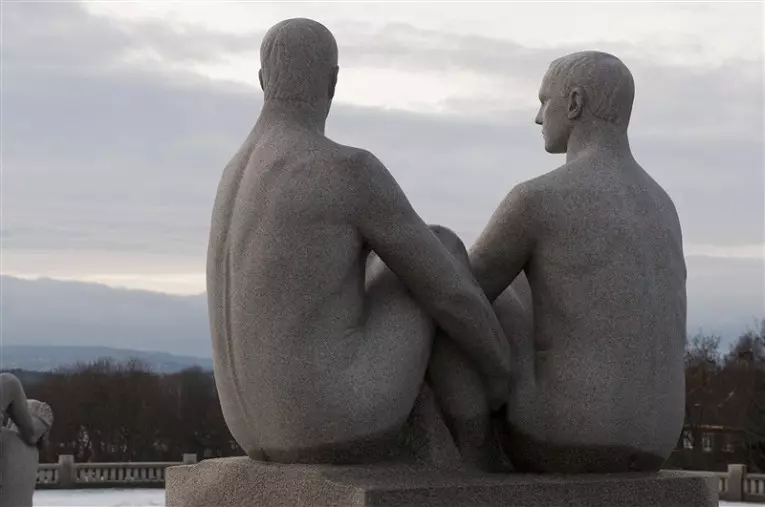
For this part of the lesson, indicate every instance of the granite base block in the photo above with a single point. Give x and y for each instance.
(241, 482)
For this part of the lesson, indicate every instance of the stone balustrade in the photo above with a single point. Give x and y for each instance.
(68, 474)
(736, 485)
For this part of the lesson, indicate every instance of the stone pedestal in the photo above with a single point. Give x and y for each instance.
(235, 482)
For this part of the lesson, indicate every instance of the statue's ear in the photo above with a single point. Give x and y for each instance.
(260, 79)
(576, 100)
(333, 82)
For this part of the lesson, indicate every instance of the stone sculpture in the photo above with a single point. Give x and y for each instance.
(331, 302)
(599, 383)
(13, 405)
(325, 287)
(19, 460)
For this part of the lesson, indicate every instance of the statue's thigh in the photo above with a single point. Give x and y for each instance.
(397, 336)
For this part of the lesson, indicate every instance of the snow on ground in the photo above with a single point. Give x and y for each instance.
(142, 498)
(99, 498)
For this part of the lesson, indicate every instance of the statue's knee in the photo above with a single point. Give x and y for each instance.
(450, 240)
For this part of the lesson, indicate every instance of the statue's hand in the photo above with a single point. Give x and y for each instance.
(31, 440)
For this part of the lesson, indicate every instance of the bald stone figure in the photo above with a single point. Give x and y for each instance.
(600, 382)
(319, 348)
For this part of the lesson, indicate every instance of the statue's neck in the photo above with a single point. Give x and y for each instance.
(308, 115)
(595, 141)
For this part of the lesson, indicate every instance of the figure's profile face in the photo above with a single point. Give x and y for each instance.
(552, 116)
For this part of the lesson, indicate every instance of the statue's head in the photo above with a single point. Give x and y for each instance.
(298, 59)
(42, 412)
(589, 90)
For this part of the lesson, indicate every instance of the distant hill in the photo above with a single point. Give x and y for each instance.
(48, 358)
(26, 377)
(102, 320)
(52, 313)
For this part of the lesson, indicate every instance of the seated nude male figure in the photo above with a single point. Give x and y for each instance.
(318, 353)
(600, 382)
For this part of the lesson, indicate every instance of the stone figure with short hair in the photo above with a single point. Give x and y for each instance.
(19, 460)
(344, 328)
(599, 384)
(325, 287)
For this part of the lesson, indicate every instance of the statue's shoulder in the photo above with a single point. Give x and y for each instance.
(567, 178)
(545, 193)
(351, 163)
(344, 155)
(535, 188)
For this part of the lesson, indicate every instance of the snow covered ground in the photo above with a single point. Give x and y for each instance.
(99, 498)
(140, 498)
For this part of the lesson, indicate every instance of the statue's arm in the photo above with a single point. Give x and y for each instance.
(504, 247)
(441, 284)
(14, 402)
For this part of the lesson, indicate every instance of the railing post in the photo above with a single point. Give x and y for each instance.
(189, 459)
(736, 474)
(66, 471)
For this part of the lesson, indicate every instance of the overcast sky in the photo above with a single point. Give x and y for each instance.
(118, 118)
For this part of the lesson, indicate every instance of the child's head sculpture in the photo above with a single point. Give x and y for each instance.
(42, 419)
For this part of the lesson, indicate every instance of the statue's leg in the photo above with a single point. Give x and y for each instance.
(399, 335)
(13, 401)
(460, 392)
(513, 309)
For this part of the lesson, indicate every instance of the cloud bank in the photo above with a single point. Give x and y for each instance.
(115, 132)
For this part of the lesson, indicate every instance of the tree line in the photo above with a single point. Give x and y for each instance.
(114, 412)
(724, 403)
(107, 411)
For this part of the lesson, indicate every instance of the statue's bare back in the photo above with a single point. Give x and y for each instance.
(291, 284)
(609, 307)
(600, 372)
(312, 355)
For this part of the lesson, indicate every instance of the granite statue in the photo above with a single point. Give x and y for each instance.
(598, 371)
(338, 317)
(13, 406)
(326, 290)
(19, 458)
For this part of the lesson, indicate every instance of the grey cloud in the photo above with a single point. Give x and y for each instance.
(153, 143)
(725, 296)
(96, 44)
(101, 155)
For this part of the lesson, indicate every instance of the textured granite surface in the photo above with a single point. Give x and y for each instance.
(235, 482)
(320, 350)
(600, 381)
(19, 460)
(14, 407)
